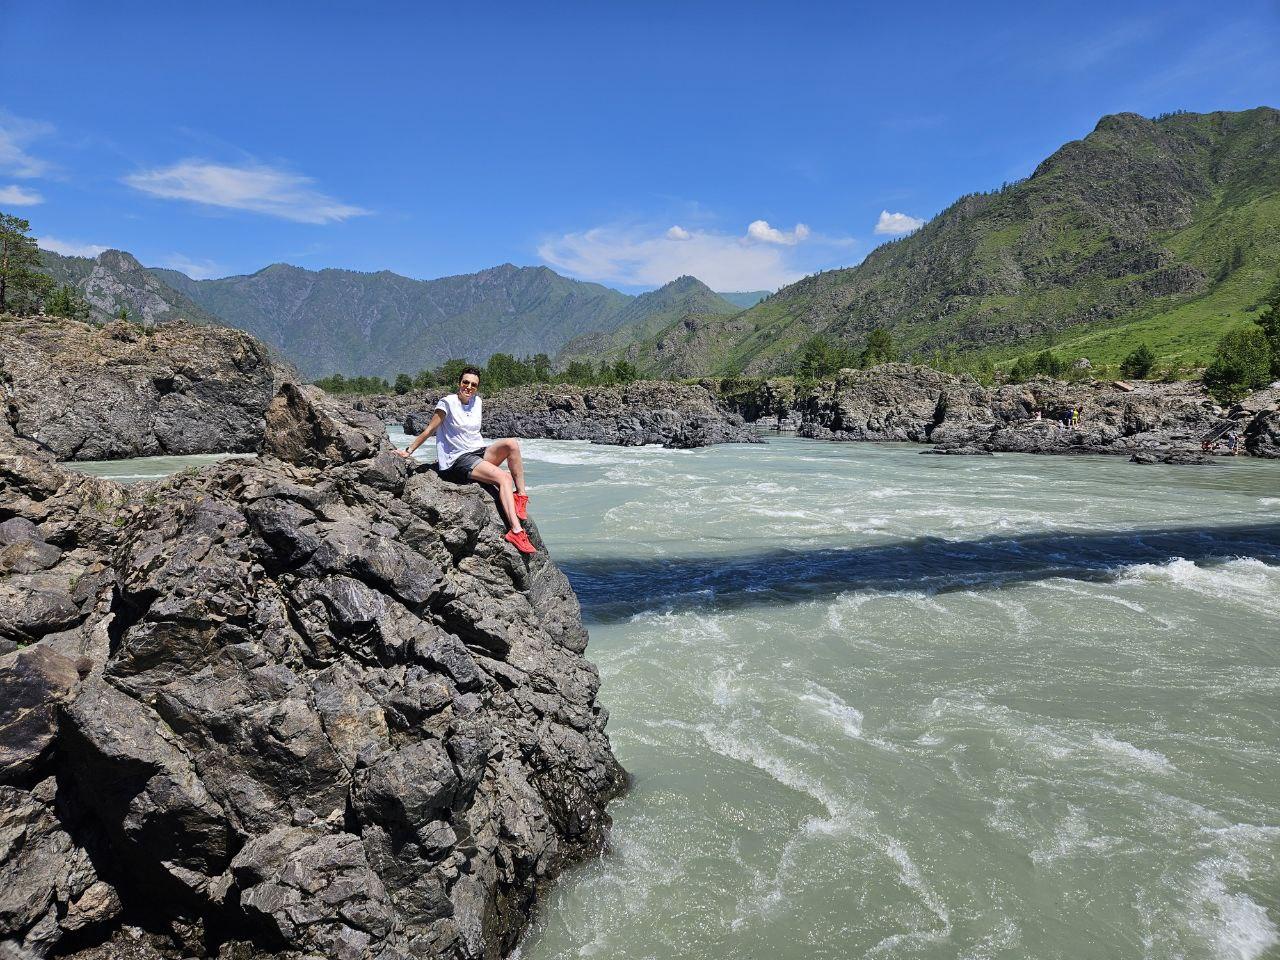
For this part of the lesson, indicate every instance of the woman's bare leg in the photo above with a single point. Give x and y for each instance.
(507, 451)
(494, 476)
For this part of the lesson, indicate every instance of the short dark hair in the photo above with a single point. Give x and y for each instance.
(466, 370)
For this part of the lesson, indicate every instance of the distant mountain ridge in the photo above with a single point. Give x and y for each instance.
(646, 316)
(344, 321)
(1161, 231)
(744, 298)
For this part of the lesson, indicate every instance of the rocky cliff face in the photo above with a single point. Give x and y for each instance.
(97, 393)
(670, 414)
(308, 705)
(903, 402)
(114, 280)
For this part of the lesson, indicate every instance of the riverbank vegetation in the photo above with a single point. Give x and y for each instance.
(502, 370)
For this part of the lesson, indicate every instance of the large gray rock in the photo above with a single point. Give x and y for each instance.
(1262, 437)
(33, 682)
(90, 393)
(903, 402)
(308, 705)
(49, 887)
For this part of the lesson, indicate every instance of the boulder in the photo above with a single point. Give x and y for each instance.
(1262, 436)
(90, 393)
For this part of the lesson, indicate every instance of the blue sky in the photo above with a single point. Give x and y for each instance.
(746, 143)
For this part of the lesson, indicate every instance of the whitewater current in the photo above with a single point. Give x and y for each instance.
(878, 704)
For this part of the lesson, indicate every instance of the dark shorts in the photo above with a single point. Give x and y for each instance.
(460, 470)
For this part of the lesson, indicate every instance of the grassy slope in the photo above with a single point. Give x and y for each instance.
(997, 275)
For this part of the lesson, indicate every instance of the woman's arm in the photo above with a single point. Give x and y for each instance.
(437, 418)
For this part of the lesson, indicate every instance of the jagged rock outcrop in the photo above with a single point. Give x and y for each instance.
(1262, 436)
(902, 402)
(307, 705)
(672, 414)
(894, 401)
(772, 400)
(99, 393)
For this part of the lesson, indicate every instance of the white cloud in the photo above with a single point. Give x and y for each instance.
(254, 187)
(896, 224)
(761, 231)
(15, 134)
(16, 196)
(644, 256)
(195, 269)
(69, 248)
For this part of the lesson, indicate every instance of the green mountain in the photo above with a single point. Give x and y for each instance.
(1161, 231)
(745, 298)
(344, 321)
(114, 280)
(645, 317)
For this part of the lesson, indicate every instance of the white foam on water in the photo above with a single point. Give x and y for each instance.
(1243, 580)
(1099, 593)
(1146, 759)
(787, 774)
(909, 876)
(569, 452)
(832, 706)
(1072, 836)
(998, 942)
(1235, 926)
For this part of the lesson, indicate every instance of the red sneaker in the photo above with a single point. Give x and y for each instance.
(522, 505)
(521, 542)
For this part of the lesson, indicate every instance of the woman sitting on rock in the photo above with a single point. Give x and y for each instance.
(463, 456)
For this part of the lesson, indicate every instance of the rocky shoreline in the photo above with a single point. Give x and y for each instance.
(305, 705)
(645, 412)
(100, 393)
(901, 402)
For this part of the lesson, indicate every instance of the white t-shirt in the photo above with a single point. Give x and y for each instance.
(460, 431)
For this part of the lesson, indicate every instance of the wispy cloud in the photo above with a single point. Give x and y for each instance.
(196, 269)
(16, 133)
(896, 224)
(255, 187)
(15, 196)
(1105, 45)
(648, 256)
(69, 248)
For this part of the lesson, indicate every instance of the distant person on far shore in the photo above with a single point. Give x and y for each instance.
(463, 456)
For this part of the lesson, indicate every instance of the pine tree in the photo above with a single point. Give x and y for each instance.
(65, 301)
(880, 348)
(1138, 363)
(1270, 324)
(1241, 364)
(22, 285)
